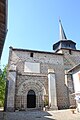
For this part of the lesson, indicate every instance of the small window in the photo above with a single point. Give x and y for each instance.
(31, 55)
(70, 52)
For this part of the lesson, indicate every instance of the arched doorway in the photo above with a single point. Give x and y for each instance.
(31, 99)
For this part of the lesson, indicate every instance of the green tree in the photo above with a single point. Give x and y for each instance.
(2, 85)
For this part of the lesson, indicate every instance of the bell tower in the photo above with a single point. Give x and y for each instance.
(63, 42)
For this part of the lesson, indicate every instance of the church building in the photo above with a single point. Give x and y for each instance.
(39, 78)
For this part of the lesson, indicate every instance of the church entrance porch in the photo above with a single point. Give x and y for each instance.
(30, 95)
(31, 99)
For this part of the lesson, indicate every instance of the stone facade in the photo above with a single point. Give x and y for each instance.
(37, 78)
(38, 82)
(71, 59)
(22, 81)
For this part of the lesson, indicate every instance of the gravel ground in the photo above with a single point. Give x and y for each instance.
(40, 115)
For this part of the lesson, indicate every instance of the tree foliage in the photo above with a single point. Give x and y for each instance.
(2, 85)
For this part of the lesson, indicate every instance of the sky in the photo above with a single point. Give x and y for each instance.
(34, 24)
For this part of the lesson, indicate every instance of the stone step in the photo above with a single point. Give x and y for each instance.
(32, 109)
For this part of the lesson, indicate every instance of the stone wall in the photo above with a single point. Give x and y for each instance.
(71, 59)
(30, 82)
(38, 82)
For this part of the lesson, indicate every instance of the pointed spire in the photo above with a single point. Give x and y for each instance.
(62, 33)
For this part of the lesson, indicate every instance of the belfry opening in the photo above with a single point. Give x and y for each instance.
(31, 99)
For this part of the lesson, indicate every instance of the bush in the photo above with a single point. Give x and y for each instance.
(46, 102)
(2, 86)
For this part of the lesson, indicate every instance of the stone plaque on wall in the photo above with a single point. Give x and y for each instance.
(32, 67)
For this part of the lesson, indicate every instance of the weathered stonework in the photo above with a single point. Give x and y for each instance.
(70, 60)
(38, 81)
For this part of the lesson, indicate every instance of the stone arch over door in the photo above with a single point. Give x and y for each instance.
(31, 99)
(37, 87)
